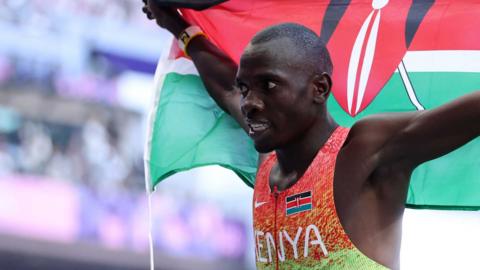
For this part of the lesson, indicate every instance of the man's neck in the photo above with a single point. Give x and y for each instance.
(294, 159)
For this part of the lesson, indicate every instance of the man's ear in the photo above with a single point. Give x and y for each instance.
(322, 85)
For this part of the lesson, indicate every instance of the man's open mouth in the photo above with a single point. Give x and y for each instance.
(257, 127)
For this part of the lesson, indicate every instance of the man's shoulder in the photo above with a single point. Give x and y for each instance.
(371, 139)
(368, 132)
(378, 128)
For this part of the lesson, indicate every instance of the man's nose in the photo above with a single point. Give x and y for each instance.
(251, 104)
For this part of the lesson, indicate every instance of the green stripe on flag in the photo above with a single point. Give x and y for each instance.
(299, 209)
(190, 130)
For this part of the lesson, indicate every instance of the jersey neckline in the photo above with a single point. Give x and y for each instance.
(273, 157)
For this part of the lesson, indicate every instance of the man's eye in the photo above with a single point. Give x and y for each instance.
(243, 89)
(271, 85)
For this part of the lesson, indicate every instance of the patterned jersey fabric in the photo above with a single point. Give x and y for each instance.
(299, 228)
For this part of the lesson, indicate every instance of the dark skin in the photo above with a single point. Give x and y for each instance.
(282, 107)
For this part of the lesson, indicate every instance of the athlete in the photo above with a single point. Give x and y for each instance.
(326, 197)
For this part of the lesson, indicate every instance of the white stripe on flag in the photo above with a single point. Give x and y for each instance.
(181, 66)
(415, 61)
(442, 61)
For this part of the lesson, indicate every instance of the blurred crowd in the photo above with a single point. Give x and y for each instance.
(94, 158)
(107, 176)
(69, 50)
(97, 159)
(88, 154)
(55, 15)
(72, 48)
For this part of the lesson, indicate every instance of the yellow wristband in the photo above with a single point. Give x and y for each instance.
(187, 35)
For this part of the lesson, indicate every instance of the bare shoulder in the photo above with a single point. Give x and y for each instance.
(372, 137)
(377, 129)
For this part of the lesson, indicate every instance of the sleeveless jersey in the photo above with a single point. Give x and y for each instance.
(299, 228)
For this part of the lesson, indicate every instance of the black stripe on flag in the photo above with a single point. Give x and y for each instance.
(333, 15)
(299, 195)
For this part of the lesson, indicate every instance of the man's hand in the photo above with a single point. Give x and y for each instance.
(167, 18)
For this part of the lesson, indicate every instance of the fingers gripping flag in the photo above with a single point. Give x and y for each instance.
(388, 56)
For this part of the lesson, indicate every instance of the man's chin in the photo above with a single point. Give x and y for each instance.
(263, 148)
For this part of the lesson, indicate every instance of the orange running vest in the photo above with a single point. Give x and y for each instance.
(299, 228)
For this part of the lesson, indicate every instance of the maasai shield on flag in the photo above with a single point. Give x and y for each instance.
(388, 56)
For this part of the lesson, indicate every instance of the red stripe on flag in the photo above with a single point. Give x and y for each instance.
(449, 25)
(303, 201)
(299, 202)
(232, 24)
(292, 204)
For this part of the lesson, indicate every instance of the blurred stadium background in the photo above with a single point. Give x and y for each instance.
(75, 87)
(75, 84)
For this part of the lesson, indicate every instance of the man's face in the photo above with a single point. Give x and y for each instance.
(276, 94)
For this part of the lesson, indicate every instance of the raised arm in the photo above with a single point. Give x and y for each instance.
(414, 138)
(216, 69)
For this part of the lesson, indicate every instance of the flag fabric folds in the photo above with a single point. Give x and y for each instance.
(388, 56)
(187, 129)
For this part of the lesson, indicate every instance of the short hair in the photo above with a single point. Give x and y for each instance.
(310, 47)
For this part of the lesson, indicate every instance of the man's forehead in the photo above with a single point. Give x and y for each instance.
(277, 50)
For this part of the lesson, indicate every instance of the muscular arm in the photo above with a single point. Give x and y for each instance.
(383, 150)
(414, 138)
(218, 72)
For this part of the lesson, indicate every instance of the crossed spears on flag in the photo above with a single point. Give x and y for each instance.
(367, 46)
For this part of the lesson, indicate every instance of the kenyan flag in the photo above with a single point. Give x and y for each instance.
(389, 56)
